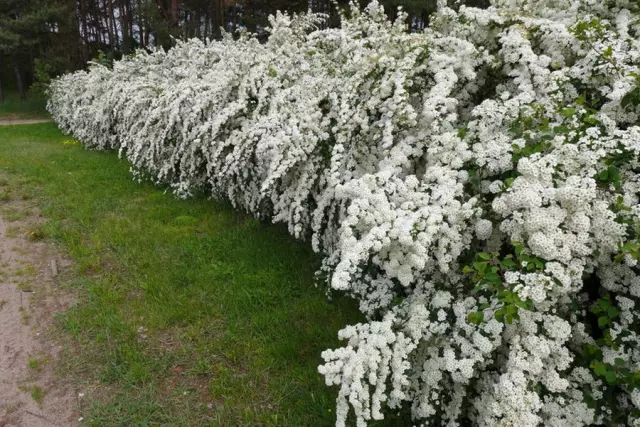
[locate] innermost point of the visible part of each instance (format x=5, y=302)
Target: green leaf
x=599, y=368
x=590, y=120
x=603, y=303
x=631, y=99
x=603, y=321
x=484, y=255
x=476, y=317
x=568, y=112
x=517, y=246
x=561, y=130
x=480, y=266
x=614, y=176
x=509, y=318
x=492, y=277
x=592, y=351
x=582, y=99
x=508, y=263
x=610, y=377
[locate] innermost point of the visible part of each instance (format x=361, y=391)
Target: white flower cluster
x=504, y=133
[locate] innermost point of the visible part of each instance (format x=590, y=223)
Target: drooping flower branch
x=475, y=186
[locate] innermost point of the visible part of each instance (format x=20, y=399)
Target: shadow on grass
x=13, y=108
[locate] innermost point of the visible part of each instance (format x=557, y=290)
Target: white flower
x=401, y=156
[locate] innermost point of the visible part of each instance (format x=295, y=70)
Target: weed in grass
x=25, y=286
x=12, y=232
x=36, y=233
x=37, y=394
x=34, y=364
x=186, y=220
x=201, y=367
x=37, y=364
x=13, y=214
x=25, y=316
x=28, y=271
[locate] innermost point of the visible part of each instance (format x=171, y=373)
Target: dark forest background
x=43, y=38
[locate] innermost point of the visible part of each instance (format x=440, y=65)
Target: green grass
x=37, y=364
x=37, y=394
x=189, y=313
x=31, y=108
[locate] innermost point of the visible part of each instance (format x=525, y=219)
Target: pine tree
x=32, y=29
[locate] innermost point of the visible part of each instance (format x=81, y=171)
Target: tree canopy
x=42, y=37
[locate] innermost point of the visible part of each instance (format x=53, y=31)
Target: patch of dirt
x=32, y=394
x=10, y=121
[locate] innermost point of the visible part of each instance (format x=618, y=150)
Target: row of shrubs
x=475, y=186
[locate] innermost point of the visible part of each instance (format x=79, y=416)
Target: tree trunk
x=198, y=20
x=130, y=21
x=85, y=35
x=235, y=17
x=113, y=29
x=97, y=19
x=218, y=18
x=77, y=54
x=175, y=5
x=143, y=43
x=31, y=78
x=185, y=30
x=20, y=82
x=1, y=85
x=124, y=27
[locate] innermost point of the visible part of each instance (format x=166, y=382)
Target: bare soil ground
x=11, y=121
x=32, y=393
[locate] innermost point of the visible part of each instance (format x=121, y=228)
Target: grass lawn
x=189, y=313
x=31, y=108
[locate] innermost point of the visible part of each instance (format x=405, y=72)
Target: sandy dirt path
x=7, y=122
x=31, y=392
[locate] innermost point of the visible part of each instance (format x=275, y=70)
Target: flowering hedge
x=475, y=186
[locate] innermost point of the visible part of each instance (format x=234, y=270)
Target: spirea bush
x=476, y=187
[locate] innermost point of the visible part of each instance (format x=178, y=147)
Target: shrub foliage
x=476, y=186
